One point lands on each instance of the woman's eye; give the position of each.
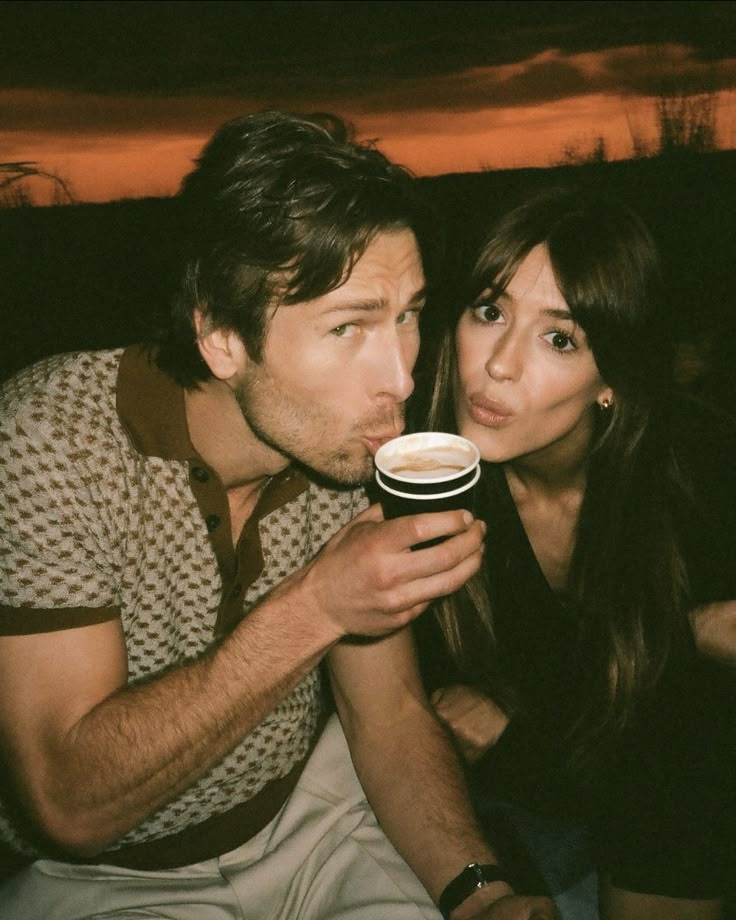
(487, 312)
(560, 341)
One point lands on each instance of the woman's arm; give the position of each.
(475, 720)
(714, 629)
(620, 904)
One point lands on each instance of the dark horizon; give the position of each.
(90, 276)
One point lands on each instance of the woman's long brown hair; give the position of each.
(627, 581)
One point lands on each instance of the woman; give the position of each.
(569, 673)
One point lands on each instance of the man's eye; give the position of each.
(408, 317)
(341, 332)
(560, 341)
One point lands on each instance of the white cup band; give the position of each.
(428, 497)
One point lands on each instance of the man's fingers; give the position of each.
(438, 584)
(399, 567)
(445, 556)
(402, 533)
(420, 528)
(391, 584)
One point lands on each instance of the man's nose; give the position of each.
(396, 366)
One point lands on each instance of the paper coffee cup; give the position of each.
(426, 471)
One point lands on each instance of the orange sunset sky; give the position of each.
(119, 97)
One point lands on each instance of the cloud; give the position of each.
(318, 48)
(39, 111)
(549, 76)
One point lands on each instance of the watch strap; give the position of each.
(472, 877)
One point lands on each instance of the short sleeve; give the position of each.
(52, 537)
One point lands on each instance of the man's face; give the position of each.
(336, 370)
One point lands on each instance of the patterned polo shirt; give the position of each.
(107, 511)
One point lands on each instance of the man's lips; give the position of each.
(489, 412)
(374, 441)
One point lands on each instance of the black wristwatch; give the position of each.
(462, 886)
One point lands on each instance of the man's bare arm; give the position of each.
(92, 757)
(412, 775)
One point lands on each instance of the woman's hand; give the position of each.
(474, 719)
(714, 628)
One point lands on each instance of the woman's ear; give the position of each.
(605, 398)
(221, 349)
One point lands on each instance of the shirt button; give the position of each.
(200, 474)
(212, 521)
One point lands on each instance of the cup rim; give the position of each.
(442, 436)
(432, 496)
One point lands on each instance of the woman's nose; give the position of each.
(505, 360)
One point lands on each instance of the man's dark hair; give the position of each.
(277, 210)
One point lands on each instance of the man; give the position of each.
(168, 597)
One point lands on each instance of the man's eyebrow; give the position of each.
(373, 305)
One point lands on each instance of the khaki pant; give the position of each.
(323, 857)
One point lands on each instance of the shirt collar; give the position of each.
(151, 407)
(152, 410)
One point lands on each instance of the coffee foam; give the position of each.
(428, 455)
(428, 464)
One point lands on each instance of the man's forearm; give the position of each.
(412, 776)
(143, 745)
(417, 790)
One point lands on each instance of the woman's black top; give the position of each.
(662, 808)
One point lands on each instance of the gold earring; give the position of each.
(606, 403)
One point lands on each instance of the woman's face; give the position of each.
(526, 382)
